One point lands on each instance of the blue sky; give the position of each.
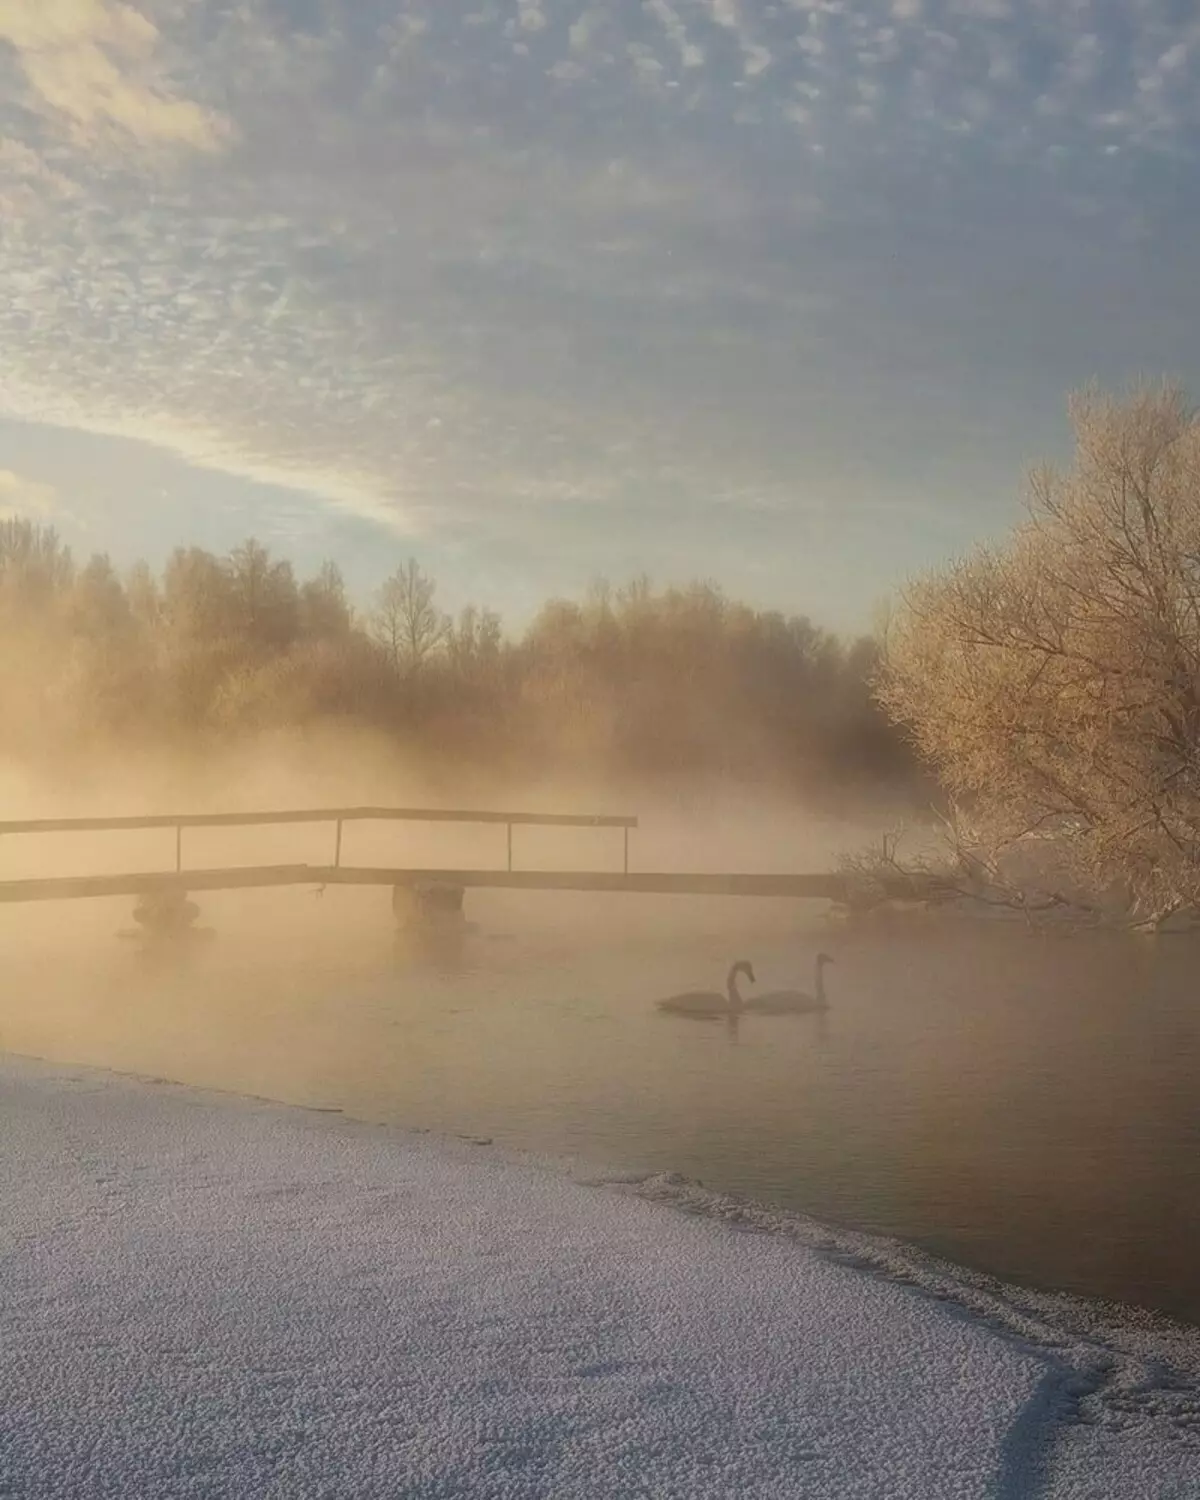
(786, 294)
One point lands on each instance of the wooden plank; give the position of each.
(77, 887)
(647, 883)
(65, 888)
(315, 815)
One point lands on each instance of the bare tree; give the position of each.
(1054, 682)
(262, 596)
(35, 566)
(195, 596)
(405, 621)
(474, 641)
(99, 605)
(324, 608)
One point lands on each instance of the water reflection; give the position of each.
(732, 1023)
(1027, 1104)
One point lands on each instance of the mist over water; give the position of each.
(1024, 1103)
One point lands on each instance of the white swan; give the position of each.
(794, 1002)
(712, 1002)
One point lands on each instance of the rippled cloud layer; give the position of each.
(463, 263)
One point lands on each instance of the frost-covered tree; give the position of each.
(406, 622)
(1053, 682)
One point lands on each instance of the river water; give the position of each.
(1026, 1104)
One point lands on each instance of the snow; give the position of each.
(209, 1296)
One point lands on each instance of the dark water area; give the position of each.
(1025, 1104)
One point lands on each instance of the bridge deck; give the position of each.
(807, 886)
(77, 887)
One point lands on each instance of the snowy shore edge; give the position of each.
(208, 1295)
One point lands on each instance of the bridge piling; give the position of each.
(430, 905)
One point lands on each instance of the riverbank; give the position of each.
(219, 1296)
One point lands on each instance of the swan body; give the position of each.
(794, 1002)
(711, 1002)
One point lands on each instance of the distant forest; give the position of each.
(633, 681)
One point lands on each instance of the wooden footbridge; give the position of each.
(165, 891)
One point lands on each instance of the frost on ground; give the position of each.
(202, 1296)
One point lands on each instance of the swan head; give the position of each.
(743, 966)
(824, 958)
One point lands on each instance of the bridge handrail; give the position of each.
(315, 815)
(338, 816)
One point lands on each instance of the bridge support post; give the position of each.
(430, 908)
(165, 913)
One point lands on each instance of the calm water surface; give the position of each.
(1029, 1105)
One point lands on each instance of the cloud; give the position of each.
(582, 31)
(728, 15)
(758, 58)
(1084, 57)
(531, 15)
(28, 182)
(217, 445)
(984, 10)
(92, 68)
(690, 55)
(25, 499)
(432, 281)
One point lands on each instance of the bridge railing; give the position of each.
(338, 816)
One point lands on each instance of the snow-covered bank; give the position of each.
(217, 1297)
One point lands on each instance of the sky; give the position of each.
(787, 295)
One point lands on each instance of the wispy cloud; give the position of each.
(94, 68)
(437, 262)
(25, 499)
(731, 15)
(690, 55)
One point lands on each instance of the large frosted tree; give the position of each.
(1053, 682)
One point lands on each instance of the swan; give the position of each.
(712, 1002)
(794, 1002)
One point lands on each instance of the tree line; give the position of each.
(630, 681)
